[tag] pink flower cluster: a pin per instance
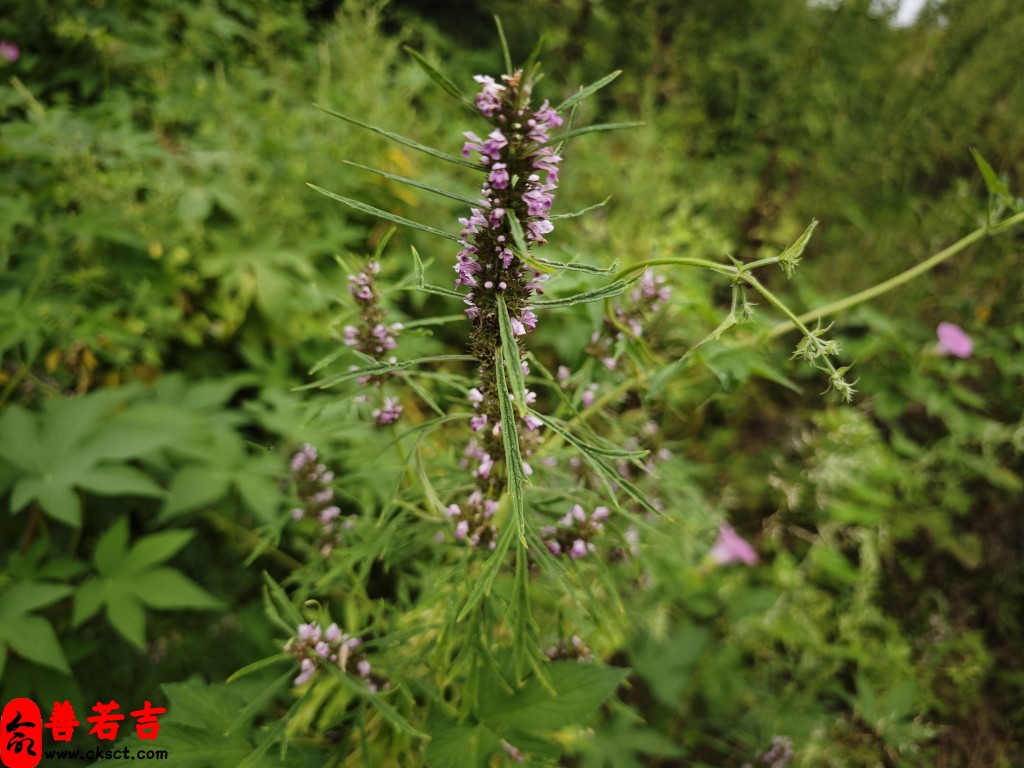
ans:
(314, 647)
(373, 337)
(313, 484)
(521, 180)
(573, 534)
(472, 520)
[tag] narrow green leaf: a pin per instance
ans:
(382, 214)
(998, 191)
(600, 464)
(517, 235)
(577, 97)
(437, 76)
(381, 368)
(405, 141)
(417, 184)
(670, 371)
(422, 285)
(534, 56)
(790, 257)
(510, 354)
(285, 611)
(582, 211)
(492, 567)
(587, 129)
(256, 703)
(513, 457)
(504, 45)
(376, 700)
(595, 294)
(256, 666)
(578, 267)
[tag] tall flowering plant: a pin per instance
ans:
(507, 438)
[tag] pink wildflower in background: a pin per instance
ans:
(9, 52)
(953, 340)
(731, 548)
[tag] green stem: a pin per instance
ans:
(894, 282)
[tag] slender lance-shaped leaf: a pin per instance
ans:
(513, 458)
(419, 184)
(998, 191)
(381, 213)
(387, 711)
(584, 92)
(379, 369)
(510, 353)
(438, 76)
(790, 257)
(422, 284)
(504, 45)
(597, 294)
(517, 235)
(578, 267)
(588, 129)
(492, 568)
(404, 140)
(582, 211)
(600, 464)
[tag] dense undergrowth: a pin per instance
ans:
(776, 577)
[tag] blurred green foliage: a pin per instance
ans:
(168, 281)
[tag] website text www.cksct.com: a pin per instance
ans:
(99, 753)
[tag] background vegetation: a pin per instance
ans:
(169, 282)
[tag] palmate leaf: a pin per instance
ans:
(197, 731)
(131, 578)
(31, 637)
(579, 690)
(382, 214)
(406, 141)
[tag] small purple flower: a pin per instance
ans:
(307, 669)
(730, 547)
(953, 340)
(9, 51)
(389, 413)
